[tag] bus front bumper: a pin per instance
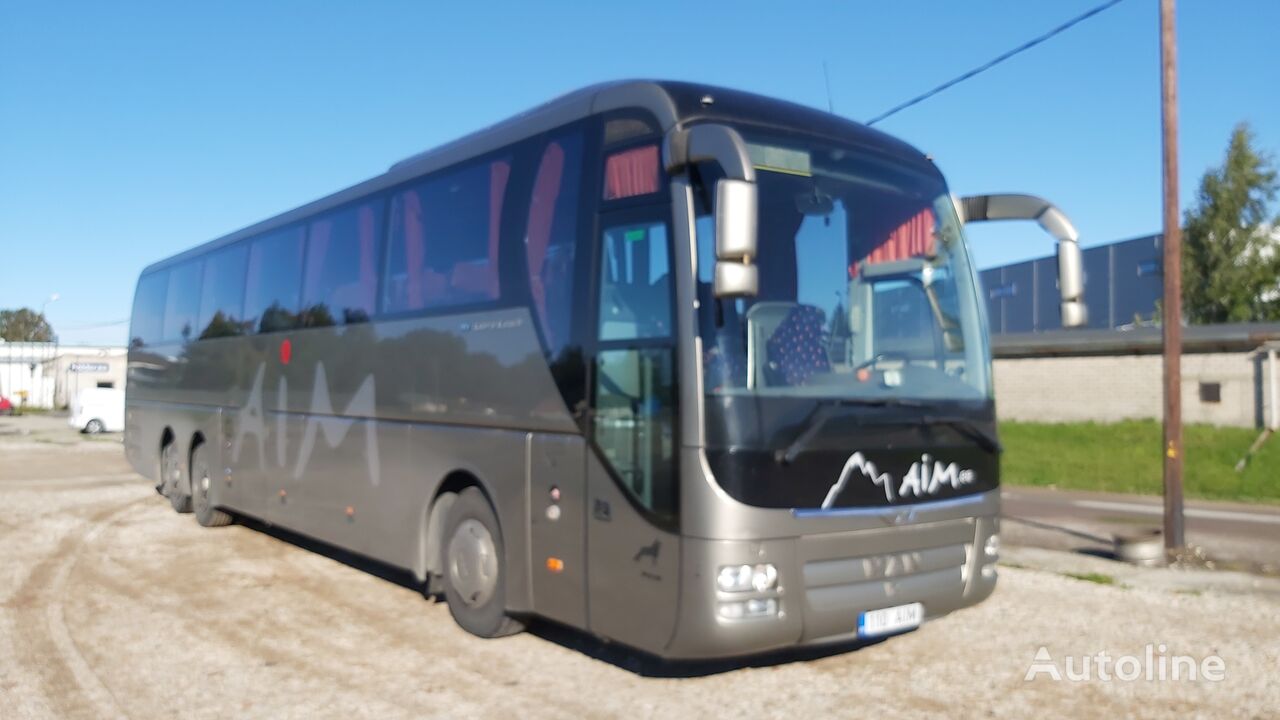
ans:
(825, 582)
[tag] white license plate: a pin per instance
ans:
(874, 623)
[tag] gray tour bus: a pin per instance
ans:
(690, 369)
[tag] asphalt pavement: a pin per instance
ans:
(1234, 535)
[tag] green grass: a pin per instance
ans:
(1127, 457)
(1092, 577)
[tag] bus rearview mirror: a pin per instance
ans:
(735, 275)
(982, 208)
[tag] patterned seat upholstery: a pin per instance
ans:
(798, 348)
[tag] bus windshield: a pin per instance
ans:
(866, 287)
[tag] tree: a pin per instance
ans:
(1230, 257)
(24, 325)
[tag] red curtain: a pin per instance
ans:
(631, 172)
(546, 188)
(913, 238)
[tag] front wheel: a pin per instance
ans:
(475, 579)
(93, 427)
(207, 514)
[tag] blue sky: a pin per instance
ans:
(130, 131)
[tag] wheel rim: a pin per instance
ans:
(473, 563)
(94, 427)
(202, 488)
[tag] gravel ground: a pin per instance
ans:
(113, 606)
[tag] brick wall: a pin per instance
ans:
(1119, 387)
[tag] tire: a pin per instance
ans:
(207, 514)
(93, 427)
(474, 573)
(171, 472)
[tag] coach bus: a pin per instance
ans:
(693, 370)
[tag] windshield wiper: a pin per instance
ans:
(818, 418)
(967, 427)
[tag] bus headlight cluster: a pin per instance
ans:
(747, 609)
(741, 578)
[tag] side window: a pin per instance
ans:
(635, 383)
(635, 282)
(272, 281)
(340, 285)
(147, 320)
(444, 239)
(222, 293)
(182, 302)
(552, 234)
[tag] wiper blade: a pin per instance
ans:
(818, 418)
(967, 427)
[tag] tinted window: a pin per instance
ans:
(552, 236)
(444, 239)
(147, 324)
(273, 280)
(222, 293)
(635, 282)
(634, 423)
(340, 285)
(182, 302)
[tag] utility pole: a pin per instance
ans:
(1172, 307)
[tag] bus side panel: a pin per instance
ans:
(496, 458)
(557, 530)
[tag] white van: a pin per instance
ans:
(96, 410)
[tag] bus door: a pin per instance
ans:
(633, 547)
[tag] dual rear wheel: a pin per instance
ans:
(474, 574)
(193, 496)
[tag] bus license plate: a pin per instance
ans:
(874, 623)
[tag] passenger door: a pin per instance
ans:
(632, 544)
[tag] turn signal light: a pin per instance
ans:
(555, 564)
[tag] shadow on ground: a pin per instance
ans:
(620, 656)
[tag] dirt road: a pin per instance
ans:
(113, 606)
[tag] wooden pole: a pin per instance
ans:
(1174, 539)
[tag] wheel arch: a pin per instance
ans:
(433, 518)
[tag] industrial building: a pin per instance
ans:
(1122, 286)
(48, 375)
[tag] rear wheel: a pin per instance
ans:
(93, 427)
(475, 579)
(207, 514)
(171, 470)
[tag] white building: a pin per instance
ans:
(48, 375)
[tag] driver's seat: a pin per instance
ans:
(797, 349)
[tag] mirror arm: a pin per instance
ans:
(982, 208)
(708, 143)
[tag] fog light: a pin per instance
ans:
(741, 578)
(747, 609)
(992, 547)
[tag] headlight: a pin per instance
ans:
(741, 578)
(992, 547)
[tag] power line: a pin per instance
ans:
(996, 61)
(93, 326)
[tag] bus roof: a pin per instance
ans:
(672, 103)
